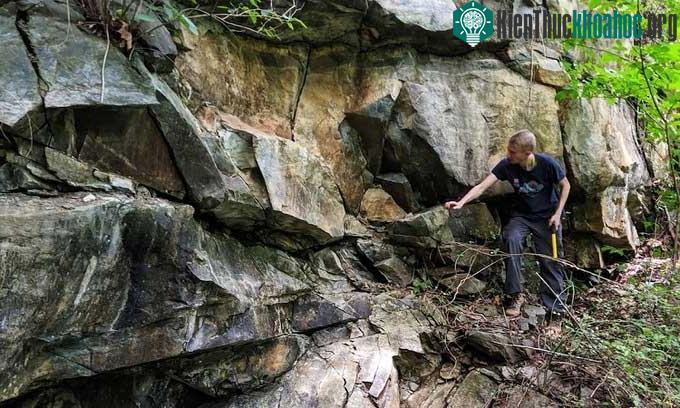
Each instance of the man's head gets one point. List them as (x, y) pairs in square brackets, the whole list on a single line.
[(520, 146)]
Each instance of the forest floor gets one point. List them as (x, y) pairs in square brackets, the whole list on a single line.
[(619, 344)]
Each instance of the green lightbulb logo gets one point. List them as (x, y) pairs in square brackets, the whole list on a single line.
[(472, 23)]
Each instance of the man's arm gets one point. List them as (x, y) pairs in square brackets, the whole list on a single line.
[(475, 192), (564, 193)]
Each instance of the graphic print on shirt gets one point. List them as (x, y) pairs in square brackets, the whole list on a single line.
[(531, 187)]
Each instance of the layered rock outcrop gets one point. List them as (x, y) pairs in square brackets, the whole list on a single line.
[(233, 229)]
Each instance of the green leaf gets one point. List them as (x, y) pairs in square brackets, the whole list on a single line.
[(188, 24), (252, 15), (170, 12), (148, 18)]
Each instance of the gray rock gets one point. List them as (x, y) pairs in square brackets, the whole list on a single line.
[(542, 65), (473, 222), (476, 391), (401, 321), (126, 388), (330, 335), (303, 196), (522, 397), (140, 277), (606, 161), (72, 171), (354, 227), (18, 82), (424, 25), (338, 270), (356, 373), (607, 216), (72, 66), (534, 314), (463, 284), (431, 394), (16, 178), (395, 271), (495, 345), (375, 251), (245, 197), (601, 144), (160, 50), (369, 122), (314, 312), (427, 229), (126, 141), (438, 161), (523, 324), (192, 157), (398, 186), (221, 373), (329, 272), (58, 132)]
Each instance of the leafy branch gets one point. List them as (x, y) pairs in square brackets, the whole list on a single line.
[(130, 20), (645, 72)]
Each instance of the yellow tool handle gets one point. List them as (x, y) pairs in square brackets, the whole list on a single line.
[(553, 237), (554, 245)]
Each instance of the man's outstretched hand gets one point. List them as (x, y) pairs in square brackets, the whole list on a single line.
[(456, 205), (554, 220)]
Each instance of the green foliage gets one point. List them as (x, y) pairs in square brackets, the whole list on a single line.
[(619, 252), (644, 74), (648, 347), (637, 335), (172, 13), (421, 284), (253, 16)]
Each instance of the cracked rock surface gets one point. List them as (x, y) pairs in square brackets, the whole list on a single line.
[(227, 221)]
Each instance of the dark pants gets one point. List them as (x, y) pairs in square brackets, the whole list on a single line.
[(552, 273)]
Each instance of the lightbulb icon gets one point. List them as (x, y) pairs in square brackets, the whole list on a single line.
[(473, 22)]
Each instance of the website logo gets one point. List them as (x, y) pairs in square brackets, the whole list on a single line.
[(585, 25), (472, 23)]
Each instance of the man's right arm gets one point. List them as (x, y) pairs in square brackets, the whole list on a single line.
[(475, 192)]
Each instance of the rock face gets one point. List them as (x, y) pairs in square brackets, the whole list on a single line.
[(128, 142), (377, 205), (302, 193), (427, 229), (247, 78), (226, 221), (147, 270), (441, 147), (607, 163), (538, 63), (19, 91), (72, 66)]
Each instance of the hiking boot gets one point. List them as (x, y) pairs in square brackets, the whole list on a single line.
[(515, 307)]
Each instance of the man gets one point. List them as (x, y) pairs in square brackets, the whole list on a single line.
[(533, 177)]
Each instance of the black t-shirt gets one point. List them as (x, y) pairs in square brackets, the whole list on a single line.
[(535, 189)]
